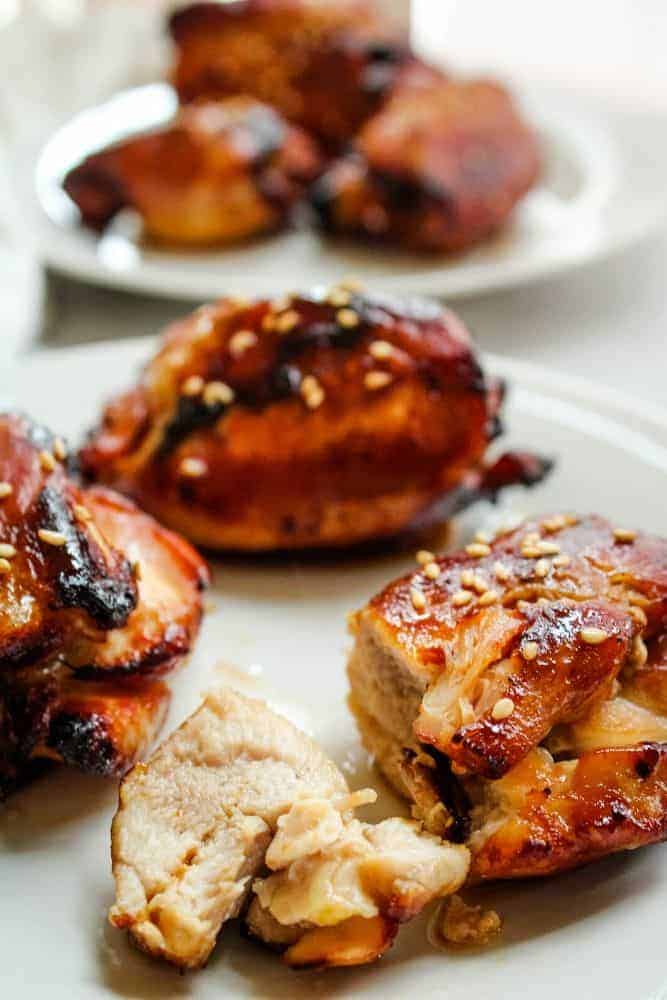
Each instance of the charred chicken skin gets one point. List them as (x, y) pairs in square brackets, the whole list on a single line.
[(515, 692), (322, 420), (220, 172), (437, 169), (96, 601), (326, 67)]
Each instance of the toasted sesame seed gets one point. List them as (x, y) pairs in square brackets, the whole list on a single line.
[(488, 597), (5, 566), (624, 535), (543, 602), (424, 556), (479, 584), (529, 650), (571, 520), (7, 551), (381, 350), (47, 461), (192, 386), (502, 571), (281, 303), (241, 341), (541, 568), (639, 615), (531, 538), (377, 380), (347, 318), (218, 392), (468, 577), (562, 560), (312, 392), (52, 537), (269, 323), (6, 490), (287, 321), (639, 651), (204, 324), (432, 570), (483, 536), (478, 549), (553, 524), (81, 513), (461, 598), (339, 297), (351, 284), (59, 449), (548, 548), (418, 599), (192, 467), (593, 636), (502, 709), (530, 552)]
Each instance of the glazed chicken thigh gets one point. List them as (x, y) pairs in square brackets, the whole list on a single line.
[(318, 420), (219, 172), (515, 693), (96, 601)]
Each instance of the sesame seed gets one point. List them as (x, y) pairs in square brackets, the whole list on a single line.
[(351, 284), (468, 577), (281, 303), (52, 537), (418, 599), (339, 297), (530, 552), (502, 709), (548, 548), (47, 461), (381, 350), (461, 598), (635, 598), (81, 513), (6, 490), (543, 602), (7, 551), (501, 571), (554, 524), (562, 560), (287, 321), (624, 535), (269, 323), (479, 584), (312, 392), (59, 449), (240, 341), (424, 556), (193, 468), (541, 568), (593, 636), (531, 538), (639, 615), (5, 566), (639, 651), (488, 597), (204, 324), (478, 549), (218, 393), (377, 380), (529, 650), (192, 386), (432, 570), (483, 536), (347, 318)]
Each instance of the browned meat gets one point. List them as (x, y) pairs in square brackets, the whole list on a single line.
[(89, 587), (321, 420), (515, 691), (437, 169), (220, 172), (325, 66)]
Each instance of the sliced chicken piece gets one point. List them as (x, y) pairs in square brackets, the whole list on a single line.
[(334, 876), (194, 823)]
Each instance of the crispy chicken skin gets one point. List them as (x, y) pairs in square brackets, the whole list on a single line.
[(93, 593), (321, 420), (437, 169), (238, 788), (326, 67), (219, 172), (515, 693)]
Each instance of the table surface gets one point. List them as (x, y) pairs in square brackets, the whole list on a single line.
[(605, 321)]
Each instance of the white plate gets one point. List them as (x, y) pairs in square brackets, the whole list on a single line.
[(603, 187), (279, 631)]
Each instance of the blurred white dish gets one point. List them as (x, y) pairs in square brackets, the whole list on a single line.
[(603, 187), (278, 630)]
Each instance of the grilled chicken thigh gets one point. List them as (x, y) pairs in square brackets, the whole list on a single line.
[(237, 787), (325, 66), (439, 168), (319, 420), (93, 594), (514, 692), (219, 172)]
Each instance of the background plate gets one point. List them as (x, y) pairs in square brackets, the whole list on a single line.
[(278, 630), (603, 187)]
